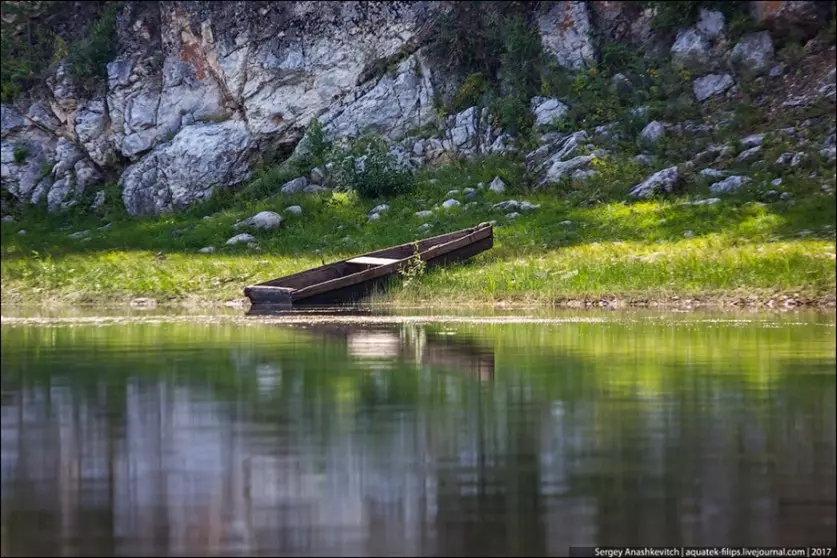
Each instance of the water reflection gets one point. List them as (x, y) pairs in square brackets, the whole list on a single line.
[(416, 439)]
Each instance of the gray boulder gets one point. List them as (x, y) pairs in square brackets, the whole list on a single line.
[(294, 186), (514, 205), (644, 159), (424, 213), (749, 154), (207, 250), (652, 133), (317, 175), (711, 23), (497, 185), (664, 180), (560, 169), (729, 184), (99, 200), (448, 204), (621, 84), (752, 140), (753, 54), (239, 238), (711, 85), (712, 173), (380, 208), (264, 220), (294, 210), (690, 50), (547, 111)]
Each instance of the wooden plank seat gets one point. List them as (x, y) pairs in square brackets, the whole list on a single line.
[(369, 260)]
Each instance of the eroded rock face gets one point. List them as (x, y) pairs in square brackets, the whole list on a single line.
[(799, 19), (184, 67), (199, 159), (566, 34)]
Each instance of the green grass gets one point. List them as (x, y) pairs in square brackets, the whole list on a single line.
[(611, 249)]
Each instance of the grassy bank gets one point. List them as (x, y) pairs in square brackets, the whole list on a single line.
[(584, 245)]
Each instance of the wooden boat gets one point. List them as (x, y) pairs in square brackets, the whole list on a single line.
[(352, 279)]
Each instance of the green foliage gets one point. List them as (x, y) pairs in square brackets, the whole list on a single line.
[(617, 57), (671, 16), (792, 53), (521, 58), (315, 148), (512, 113), (89, 57), (31, 49), (371, 170), (471, 92), (20, 153), (469, 38), (25, 51)]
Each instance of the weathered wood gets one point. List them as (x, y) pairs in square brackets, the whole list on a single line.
[(351, 279)]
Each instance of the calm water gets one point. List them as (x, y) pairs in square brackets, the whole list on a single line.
[(172, 436)]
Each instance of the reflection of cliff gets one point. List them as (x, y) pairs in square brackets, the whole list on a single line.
[(292, 458)]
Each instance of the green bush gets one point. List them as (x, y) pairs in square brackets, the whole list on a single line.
[(471, 92), (25, 49), (521, 58), (21, 152), (512, 114), (377, 176), (316, 148), (90, 55)]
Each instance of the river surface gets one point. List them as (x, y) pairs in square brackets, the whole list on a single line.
[(515, 433)]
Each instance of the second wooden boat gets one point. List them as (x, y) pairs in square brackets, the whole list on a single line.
[(352, 279)]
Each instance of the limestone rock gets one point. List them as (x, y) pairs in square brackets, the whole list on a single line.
[(664, 180), (566, 34), (652, 133), (547, 111), (711, 23), (263, 220), (294, 186), (729, 184), (497, 185), (448, 204), (753, 54), (711, 85), (690, 50), (239, 238), (99, 200), (187, 169), (749, 154), (712, 173), (294, 210), (317, 176), (207, 250)]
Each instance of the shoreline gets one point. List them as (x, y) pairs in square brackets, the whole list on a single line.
[(724, 302)]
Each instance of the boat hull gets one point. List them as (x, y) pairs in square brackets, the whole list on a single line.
[(355, 287)]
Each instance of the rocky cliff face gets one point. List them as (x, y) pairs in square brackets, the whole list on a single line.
[(200, 90)]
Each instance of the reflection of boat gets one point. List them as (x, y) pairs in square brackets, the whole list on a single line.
[(413, 344), (352, 279)]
